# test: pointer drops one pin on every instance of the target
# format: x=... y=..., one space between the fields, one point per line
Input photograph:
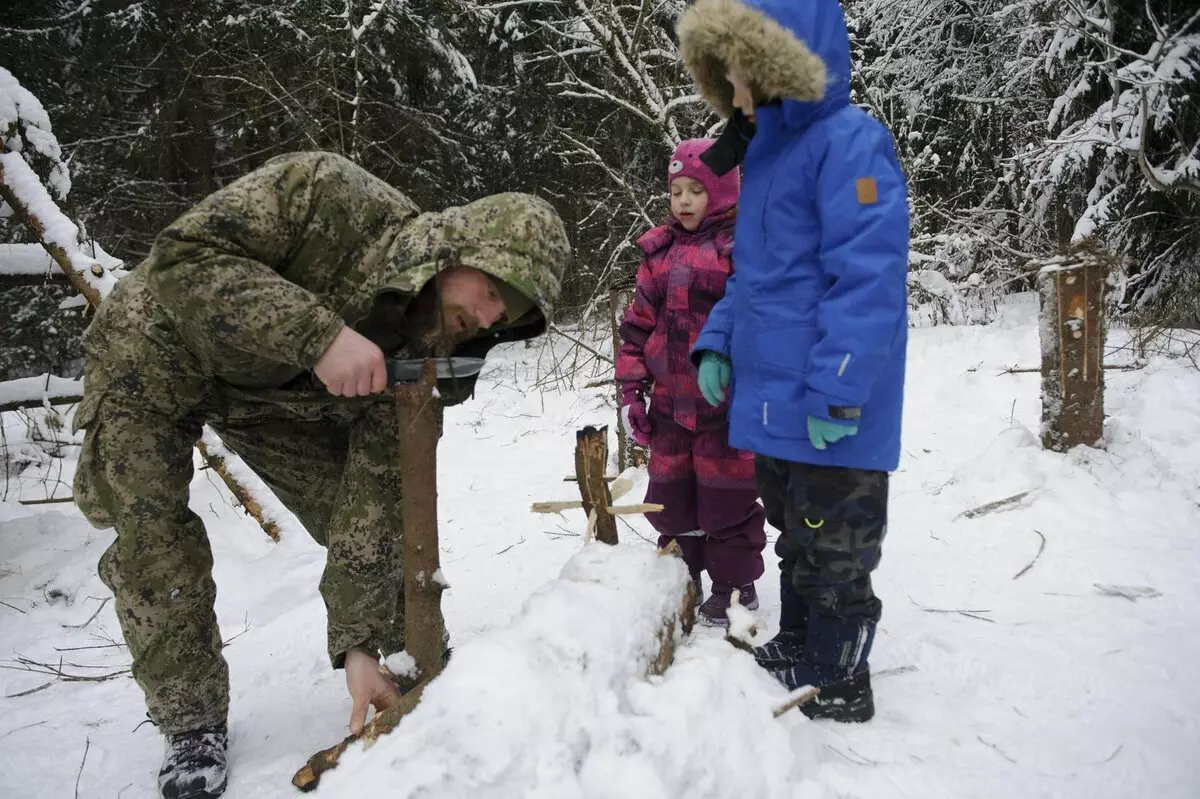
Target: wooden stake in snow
x=591 y=457
x=1072 y=290
x=424 y=625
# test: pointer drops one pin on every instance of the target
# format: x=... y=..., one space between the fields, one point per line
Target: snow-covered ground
x=1072 y=677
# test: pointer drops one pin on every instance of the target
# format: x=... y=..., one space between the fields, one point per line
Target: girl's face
x=743 y=98
x=689 y=202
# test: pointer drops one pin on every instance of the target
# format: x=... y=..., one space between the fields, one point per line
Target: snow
x=20 y=108
x=32 y=259
x=1003 y=666
x=39 y=389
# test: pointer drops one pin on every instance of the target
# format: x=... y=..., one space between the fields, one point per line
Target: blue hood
x=821 y=26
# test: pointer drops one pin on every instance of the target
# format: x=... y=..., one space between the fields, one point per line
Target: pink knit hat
x=722 y=191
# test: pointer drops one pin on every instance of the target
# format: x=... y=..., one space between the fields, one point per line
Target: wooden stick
x=570 y=478
x=806 y=695
x=631 y=510
x=240 y=492
x=51 y=501
x=424 y=626
x=591 y=457
x=556 y=507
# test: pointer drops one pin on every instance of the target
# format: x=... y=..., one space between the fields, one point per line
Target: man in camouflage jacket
x=265 y=311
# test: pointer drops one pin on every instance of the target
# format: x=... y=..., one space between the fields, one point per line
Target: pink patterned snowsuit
x=707 y=488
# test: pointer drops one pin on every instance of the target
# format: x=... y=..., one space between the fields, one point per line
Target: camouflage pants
x=134 y=472
x=832 y=524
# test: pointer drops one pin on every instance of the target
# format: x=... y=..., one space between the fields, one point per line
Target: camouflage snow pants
x=832 y=523
x=134 y=472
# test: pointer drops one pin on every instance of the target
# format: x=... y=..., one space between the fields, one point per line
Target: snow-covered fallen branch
x=246 y=486
x=42 y=391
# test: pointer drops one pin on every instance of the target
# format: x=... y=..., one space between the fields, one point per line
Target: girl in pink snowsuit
x=708 y=490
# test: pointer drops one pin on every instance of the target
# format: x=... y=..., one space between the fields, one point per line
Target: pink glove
x=637 y=423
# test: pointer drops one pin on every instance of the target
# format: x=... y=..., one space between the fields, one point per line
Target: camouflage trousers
x=134 y=475
x=832 y=523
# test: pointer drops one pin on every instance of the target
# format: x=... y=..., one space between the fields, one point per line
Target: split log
x=591 y=457
x=424 y=625
x=1071 y=289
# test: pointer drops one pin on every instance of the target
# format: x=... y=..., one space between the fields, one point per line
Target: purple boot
x=713 y=612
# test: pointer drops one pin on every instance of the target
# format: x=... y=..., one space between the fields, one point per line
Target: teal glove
x=715 y=371
x=822 y=431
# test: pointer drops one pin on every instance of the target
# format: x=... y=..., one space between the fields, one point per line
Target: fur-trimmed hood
x=789 y=51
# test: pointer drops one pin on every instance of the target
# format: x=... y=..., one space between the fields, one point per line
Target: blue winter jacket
x=816 y=315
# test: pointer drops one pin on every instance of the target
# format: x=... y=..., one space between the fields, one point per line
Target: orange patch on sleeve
x=868 y=192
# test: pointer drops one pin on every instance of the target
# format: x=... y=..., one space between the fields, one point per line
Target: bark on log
x=591 y=457
x=1072 y=291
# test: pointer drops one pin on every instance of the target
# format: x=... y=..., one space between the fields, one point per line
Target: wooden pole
x=240 y=493
x=424 y=625
x=591 y=457
x=1073 y=329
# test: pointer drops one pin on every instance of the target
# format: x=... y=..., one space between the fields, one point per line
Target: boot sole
x=709 y=621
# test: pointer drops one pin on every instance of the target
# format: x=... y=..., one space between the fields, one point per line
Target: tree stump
x=591 y=458
x=1073 y=329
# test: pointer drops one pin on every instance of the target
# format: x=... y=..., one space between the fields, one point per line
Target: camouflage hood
x=516 y=238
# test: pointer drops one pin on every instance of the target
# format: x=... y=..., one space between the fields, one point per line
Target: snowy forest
x=1023 y=126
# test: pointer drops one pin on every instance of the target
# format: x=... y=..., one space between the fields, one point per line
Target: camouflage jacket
x=242 y=294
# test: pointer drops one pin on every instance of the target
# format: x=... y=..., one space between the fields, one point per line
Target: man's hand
x=368 y=686
x=352 y=366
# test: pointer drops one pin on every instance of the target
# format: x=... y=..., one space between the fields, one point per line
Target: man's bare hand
x=368 y=686
x=352 y=366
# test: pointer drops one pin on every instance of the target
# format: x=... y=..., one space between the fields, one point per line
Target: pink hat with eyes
x=685 y=163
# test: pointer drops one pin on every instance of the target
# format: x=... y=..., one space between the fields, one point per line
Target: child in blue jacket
x=810 y=338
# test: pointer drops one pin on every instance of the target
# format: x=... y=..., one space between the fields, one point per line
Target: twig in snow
x=51 y=501
x=14 y=607
x=18 y=729
x=796 y=699
x=998 y=505
x=969 y=613
x=41 y=687
x=1117 y=367
x=993 y=746
x=1110 y=758
x=90 y=618
x=86 y=747
x=1131 y=592
x=894 y=671
x=25 y=664
x=846 y=757
x=1041 y=549
x=510 y=546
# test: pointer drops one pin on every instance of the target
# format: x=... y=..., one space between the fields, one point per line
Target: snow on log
x=41 y=391
x=246 y=486
x=573 y=698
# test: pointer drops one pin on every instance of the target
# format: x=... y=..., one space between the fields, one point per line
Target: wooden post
x=1073 y=331
x=424 y=625
x=591 y=457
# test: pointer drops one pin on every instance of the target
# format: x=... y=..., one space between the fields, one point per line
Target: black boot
x=848 y=701
x=194 y=766
x=835 y=660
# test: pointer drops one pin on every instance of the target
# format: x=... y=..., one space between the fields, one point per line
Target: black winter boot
x=835 y=660
x=194 y=766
